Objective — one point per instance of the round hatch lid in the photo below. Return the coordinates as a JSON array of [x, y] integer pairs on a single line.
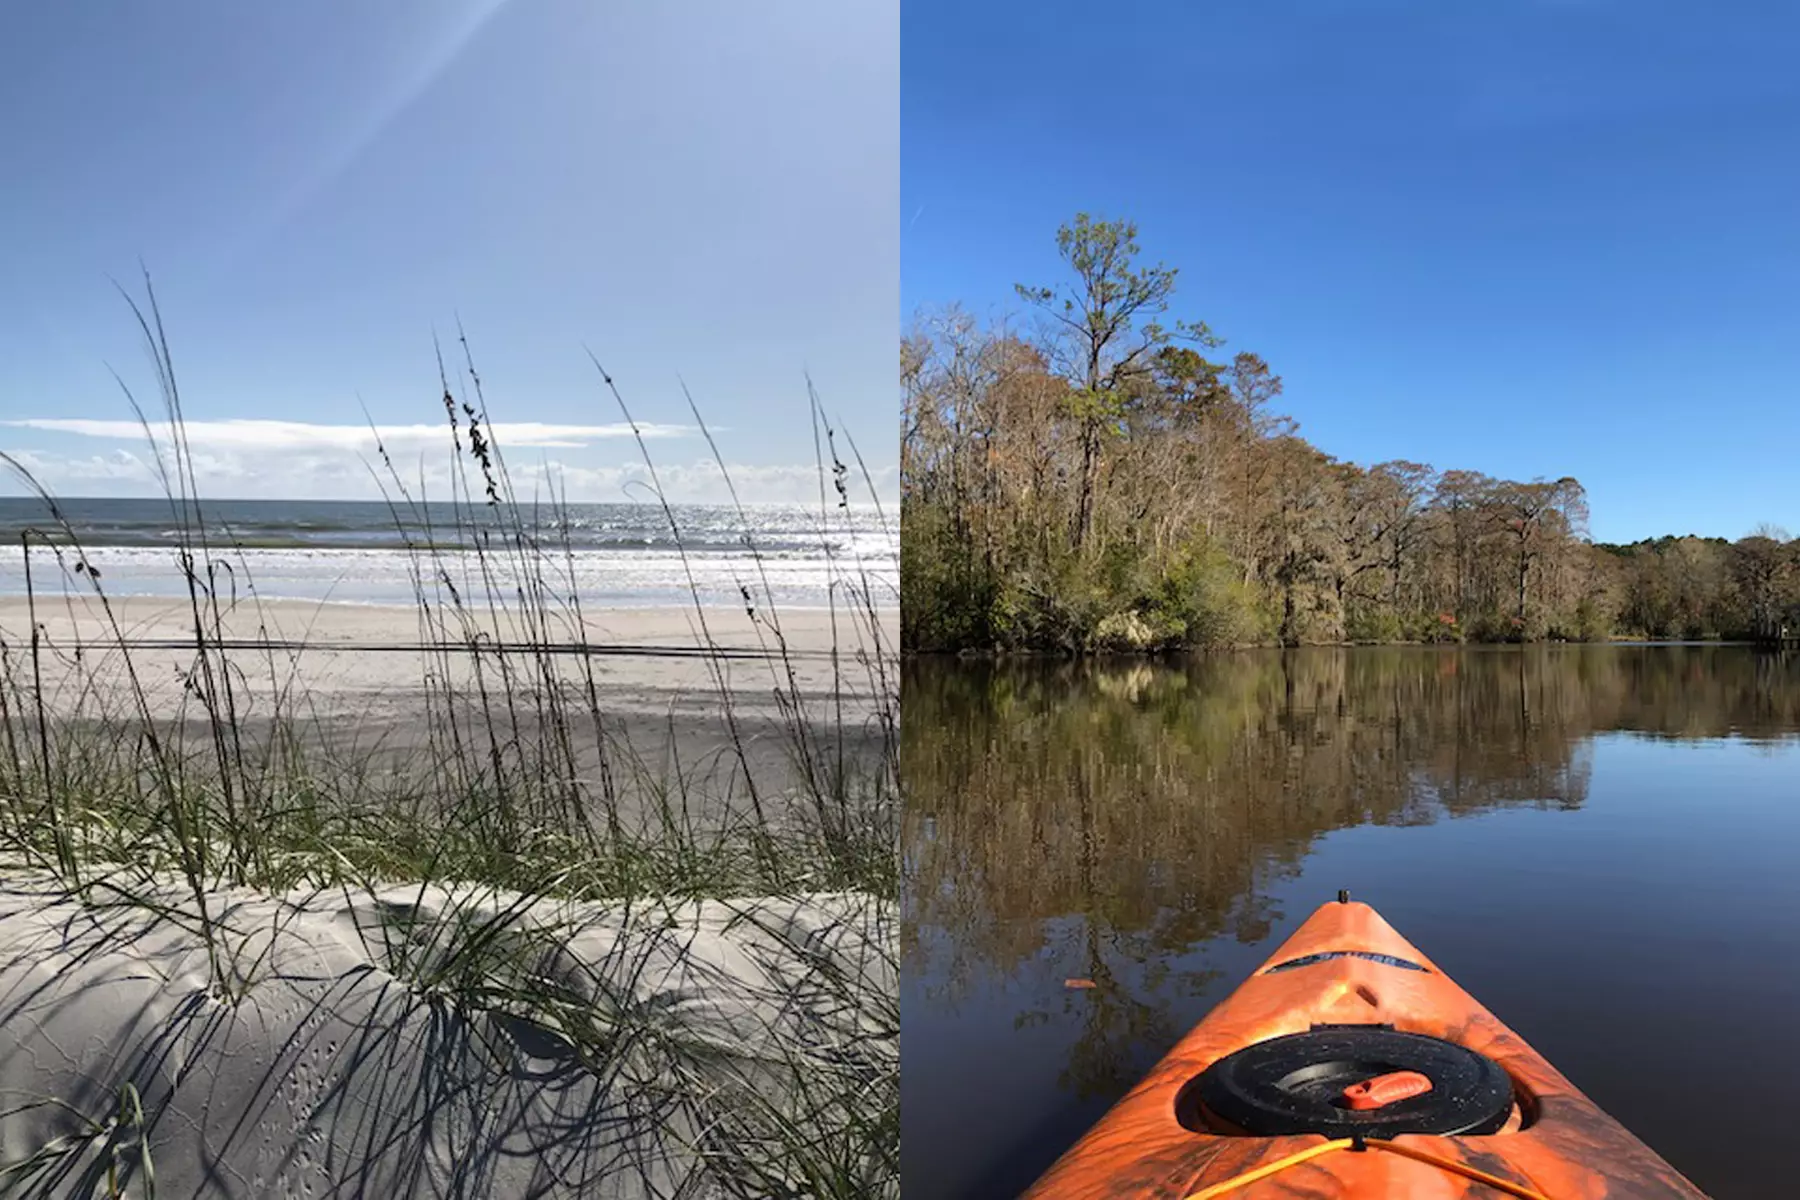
[[1348, 1081]]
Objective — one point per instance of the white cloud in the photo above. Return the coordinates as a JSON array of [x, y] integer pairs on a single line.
[[300, 435], [121, 465], [241, 459]]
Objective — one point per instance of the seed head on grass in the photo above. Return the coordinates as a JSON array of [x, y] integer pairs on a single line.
[[524, 794]]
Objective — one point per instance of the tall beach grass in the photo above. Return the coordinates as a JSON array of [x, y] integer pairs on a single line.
[[479, 850]]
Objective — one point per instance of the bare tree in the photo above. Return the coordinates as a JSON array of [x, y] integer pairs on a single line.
[[1533, 514], [1106, 332], [1764, 564]]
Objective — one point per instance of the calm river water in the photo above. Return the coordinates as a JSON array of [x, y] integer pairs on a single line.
[[1601, 843]]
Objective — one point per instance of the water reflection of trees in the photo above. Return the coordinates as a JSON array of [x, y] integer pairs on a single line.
[[1113, 817]]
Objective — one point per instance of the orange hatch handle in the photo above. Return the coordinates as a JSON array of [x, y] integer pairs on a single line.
[[1384, 1090]]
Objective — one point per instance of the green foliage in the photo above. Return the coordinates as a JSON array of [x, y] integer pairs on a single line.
[[950, 602], [1374, 625], [1202, 592]]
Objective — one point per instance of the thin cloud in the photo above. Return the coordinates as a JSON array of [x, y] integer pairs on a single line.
[[244, 434], [333, 475]]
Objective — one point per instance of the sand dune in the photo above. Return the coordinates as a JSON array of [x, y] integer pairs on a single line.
[[335, 1046]]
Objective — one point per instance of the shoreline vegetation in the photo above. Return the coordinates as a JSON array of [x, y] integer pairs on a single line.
[[1126, 651], [1110, 482], [277, 919]]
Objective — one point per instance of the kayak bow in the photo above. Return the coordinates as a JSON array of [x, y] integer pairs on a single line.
[[1349, 1065]]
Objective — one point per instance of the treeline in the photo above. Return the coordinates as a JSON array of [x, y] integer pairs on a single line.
[[1111, 483], [1698, 588]]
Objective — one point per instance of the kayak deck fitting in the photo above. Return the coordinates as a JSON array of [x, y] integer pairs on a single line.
[[1349, 1065]]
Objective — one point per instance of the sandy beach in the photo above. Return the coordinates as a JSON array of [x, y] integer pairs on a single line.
[[343, 676], [447, 1038], [351, 678]]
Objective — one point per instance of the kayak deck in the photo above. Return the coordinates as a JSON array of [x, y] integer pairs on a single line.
[[1345, 980]]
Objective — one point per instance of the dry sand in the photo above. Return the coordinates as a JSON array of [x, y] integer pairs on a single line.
[[338, 1072], [342, 675], [344, 678]]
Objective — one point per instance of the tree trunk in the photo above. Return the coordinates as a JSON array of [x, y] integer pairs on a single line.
[[1084, 504], [1524, 569], [1288, 635]]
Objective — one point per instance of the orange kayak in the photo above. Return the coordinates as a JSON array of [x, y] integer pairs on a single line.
[[1349, 1065]]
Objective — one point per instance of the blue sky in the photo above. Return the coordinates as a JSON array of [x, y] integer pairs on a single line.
[[706, 191], [1526, 237]]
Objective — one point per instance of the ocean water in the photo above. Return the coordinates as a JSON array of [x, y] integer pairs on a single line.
[[366, 552]]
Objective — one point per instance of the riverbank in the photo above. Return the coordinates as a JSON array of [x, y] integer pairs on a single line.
[[1178, 652], [1171, 652]]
